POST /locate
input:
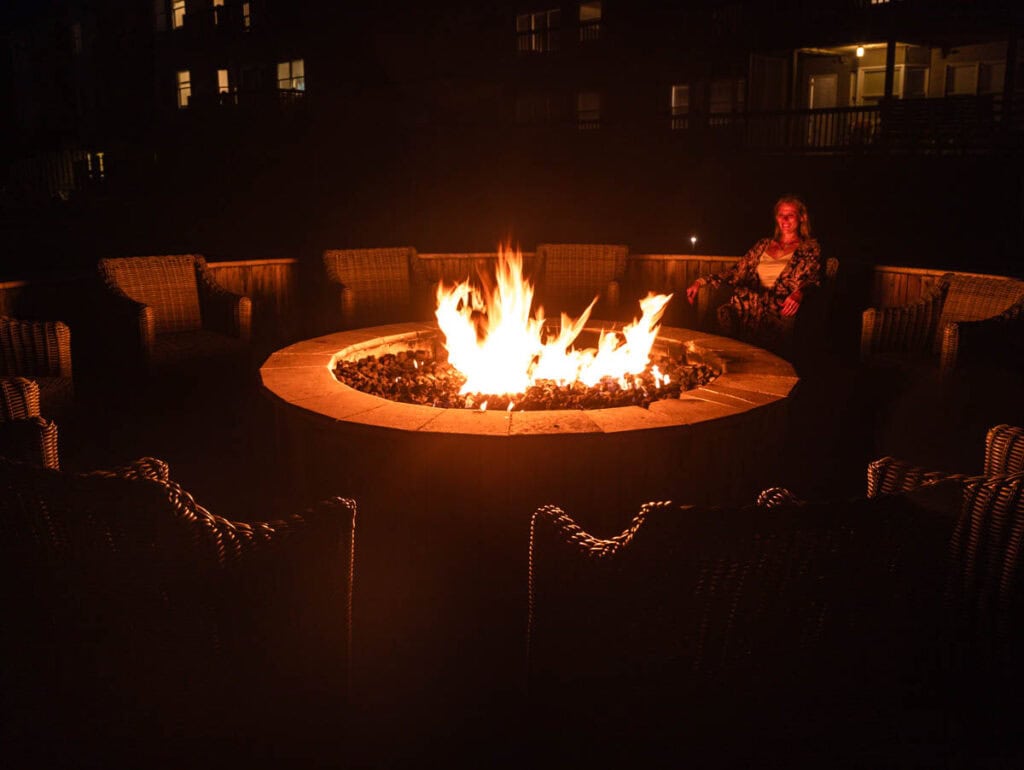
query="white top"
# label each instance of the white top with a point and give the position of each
(769, 269)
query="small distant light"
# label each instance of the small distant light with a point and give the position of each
(860, 51)
(693, 240)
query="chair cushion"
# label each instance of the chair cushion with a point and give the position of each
(167, 284)
(56, 394)
(181, 349)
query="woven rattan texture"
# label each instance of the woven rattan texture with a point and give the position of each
(986, 588)
(374, 281)
(729, 619)
(31, 440)
(137, 589)
(1004, 450)
(889, 476)
(19, 398)
(972, 298)
(34, 348)
(580, 268)
(907, 329)
(167, 284)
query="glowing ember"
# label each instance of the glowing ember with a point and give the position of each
(492, 339)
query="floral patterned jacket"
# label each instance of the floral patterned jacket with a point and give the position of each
(804, 270)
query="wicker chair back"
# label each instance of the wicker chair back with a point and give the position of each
(693, 624)
(140, 613)
(168, 284)
(376, 284)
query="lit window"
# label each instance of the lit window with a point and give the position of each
(218, 10)
(178, 11)
(291, 75)
(94, 166)
(680, 106)
(223, 85)
(590, 21)
(184, 88)
(537, 32)
(588, 109)
(246, 15)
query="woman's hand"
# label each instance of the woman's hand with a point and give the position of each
(792, 304)
(692, 290)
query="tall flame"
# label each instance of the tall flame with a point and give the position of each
(501, 349)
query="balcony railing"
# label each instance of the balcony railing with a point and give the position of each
(950, 125)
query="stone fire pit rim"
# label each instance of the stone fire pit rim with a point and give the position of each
(301, 375)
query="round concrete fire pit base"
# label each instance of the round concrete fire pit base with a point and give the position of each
(445, 496)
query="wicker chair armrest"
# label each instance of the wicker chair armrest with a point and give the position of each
(984, 341)
(35, 348)
(19, 398)
(31, 440)
(1004, 450)
(904, 328)
(149, 468)
(347, 302)
(133, 318)
(223, 310)
(776, 496)
(887, 476)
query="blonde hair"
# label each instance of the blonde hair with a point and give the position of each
(803, 218)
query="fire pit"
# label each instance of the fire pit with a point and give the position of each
(445, 494)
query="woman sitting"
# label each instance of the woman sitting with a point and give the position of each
(770, 280)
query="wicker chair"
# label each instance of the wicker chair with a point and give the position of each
(808, 335)
(374, 286)
(173, 314)
(571, 275)
(985, 587)
(696, 625)
(962, 319)
(147, 623)
(40, 350)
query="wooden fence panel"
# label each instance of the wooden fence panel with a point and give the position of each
(272, 285)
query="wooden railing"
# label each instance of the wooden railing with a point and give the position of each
(951, 124)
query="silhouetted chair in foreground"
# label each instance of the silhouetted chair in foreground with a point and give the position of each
(40, 350)
(1003, 455)
(732, 636)
(171, 314)
(142, 630)
(374, 286)
(573, 274)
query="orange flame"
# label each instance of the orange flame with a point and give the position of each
(502, 349)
